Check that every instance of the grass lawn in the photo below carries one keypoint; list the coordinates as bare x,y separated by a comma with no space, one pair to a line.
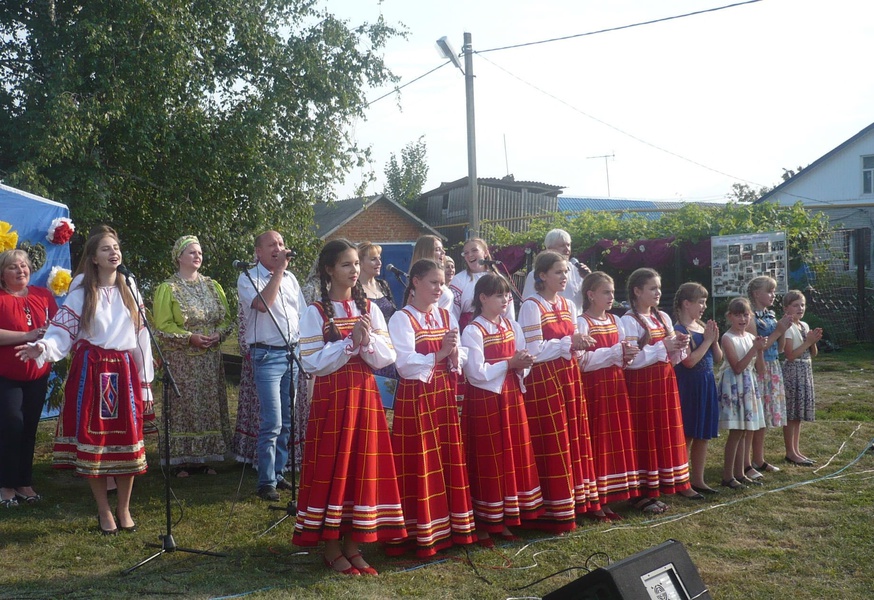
808,533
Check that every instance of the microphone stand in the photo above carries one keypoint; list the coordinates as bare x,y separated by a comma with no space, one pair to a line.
493,266
399,275
168,544
291,506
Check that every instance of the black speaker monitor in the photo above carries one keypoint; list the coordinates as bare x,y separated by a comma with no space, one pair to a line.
664,572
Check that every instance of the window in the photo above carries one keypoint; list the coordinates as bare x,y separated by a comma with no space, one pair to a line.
868,174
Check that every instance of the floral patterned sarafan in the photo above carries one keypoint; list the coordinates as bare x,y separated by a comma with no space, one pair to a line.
60,231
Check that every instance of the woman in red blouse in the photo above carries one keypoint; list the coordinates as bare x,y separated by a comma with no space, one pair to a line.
25,311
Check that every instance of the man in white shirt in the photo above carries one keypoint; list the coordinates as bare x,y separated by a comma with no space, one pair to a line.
271,360
559,240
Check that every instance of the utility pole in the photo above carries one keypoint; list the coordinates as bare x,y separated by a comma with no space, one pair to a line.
607,167
473,228
473,188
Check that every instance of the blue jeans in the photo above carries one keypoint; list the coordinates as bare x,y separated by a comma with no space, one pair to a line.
273,376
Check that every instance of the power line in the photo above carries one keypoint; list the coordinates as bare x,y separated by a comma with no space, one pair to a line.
620,27
623,132
567,37
412,81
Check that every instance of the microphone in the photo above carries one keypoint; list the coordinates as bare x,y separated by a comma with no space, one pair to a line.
583,269
489,263
290,254
122,268
242,265
398,273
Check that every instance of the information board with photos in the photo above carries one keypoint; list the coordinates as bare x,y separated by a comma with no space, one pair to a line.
737,259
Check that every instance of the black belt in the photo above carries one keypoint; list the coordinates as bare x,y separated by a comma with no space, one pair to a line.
261,346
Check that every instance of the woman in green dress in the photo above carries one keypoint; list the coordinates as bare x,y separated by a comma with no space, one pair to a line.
191,320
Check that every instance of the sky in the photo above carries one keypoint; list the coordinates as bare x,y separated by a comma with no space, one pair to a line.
683,108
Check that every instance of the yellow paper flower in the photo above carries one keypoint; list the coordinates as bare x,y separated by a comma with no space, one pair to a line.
59,280
8,238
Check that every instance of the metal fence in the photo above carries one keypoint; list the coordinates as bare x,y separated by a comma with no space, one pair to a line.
840,291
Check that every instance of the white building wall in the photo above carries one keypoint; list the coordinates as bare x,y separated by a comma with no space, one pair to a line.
837,180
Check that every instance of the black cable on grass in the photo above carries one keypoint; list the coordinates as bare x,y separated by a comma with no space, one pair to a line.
585,568
473,566
550,576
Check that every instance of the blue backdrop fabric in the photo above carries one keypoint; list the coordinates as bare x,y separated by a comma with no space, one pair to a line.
30,217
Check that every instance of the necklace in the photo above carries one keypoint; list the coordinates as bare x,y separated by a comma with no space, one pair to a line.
372,289
28,316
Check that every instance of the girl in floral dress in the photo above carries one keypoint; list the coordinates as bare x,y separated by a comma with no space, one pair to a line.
740,404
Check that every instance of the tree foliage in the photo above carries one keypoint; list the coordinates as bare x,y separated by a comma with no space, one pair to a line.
220,118
405,179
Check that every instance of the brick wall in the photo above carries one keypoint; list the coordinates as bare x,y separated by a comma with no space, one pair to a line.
380,222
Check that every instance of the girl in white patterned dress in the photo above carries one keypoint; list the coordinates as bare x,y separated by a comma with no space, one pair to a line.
740,404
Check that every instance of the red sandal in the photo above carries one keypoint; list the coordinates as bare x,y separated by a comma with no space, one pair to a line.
350,571
368,570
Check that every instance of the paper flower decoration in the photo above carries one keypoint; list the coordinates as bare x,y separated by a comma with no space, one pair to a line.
8,238
59,280
60,231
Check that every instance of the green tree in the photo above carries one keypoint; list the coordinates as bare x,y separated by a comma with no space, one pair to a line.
405,179
743,193
220,118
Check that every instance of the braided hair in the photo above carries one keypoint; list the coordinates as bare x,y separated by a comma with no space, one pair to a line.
638,279
419,269
328,257
691,291
762,282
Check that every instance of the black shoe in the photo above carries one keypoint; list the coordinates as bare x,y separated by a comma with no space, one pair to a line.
705,490
269,493
131,529
28,499
282,484
105,531
733,484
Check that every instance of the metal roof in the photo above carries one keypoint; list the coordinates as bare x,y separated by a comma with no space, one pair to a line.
649,209
508,182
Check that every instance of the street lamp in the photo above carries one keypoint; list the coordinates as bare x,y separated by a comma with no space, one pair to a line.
473,189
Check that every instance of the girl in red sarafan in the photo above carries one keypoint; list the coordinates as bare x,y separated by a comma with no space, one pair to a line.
554,398
426,435
607,397
503,474
656,418
100,432
348,487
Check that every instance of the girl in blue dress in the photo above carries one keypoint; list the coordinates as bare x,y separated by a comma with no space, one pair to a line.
699,398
